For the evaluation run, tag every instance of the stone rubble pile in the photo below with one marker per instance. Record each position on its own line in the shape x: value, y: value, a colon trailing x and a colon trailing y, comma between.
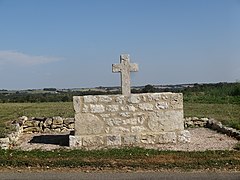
x: 190, y: 122
x: 194, y: 122
x: 218, y: 126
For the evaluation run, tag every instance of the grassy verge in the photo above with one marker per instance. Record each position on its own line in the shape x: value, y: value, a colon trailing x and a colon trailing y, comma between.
x: 133, y: 158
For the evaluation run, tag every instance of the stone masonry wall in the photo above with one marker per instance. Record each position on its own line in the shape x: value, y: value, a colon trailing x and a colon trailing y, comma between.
x: 36, y: 125
x: 138, y: 119
x: 47, y: 125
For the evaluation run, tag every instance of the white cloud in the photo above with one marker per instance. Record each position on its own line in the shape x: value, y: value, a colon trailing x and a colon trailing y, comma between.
x: 19, y: 58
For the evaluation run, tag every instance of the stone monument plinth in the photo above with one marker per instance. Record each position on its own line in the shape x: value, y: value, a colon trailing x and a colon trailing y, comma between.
x: 128, y: 119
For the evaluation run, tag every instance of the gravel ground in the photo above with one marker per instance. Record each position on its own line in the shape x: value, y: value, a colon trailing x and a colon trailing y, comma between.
x: 201, y: 139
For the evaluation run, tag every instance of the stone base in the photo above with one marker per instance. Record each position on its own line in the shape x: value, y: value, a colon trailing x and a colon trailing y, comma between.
x: 135, y: 120
x: 117, y: 140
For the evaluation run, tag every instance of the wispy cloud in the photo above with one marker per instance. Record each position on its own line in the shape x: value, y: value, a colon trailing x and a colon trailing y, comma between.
x: 19, y: 58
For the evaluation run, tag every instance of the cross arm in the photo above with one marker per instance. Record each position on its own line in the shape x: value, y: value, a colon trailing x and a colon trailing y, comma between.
x: 134, y: 67
x: 116, y: 68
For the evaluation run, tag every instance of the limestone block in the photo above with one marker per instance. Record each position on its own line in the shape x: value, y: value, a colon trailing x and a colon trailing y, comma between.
x: 113, y: 121
x: 54, y: 126
x: 88, y: 124
x: 13, y: 137
x: 184, y: 136
x: 167, y: 137
x: 120, y: 99
x: 57, y: 130
x: 90, y: 99
x: 4, y: 143
x: 105, y: 115
x: 130, y: 139
x: 71, y: 126
x: 134, y: 98
x: 148, y: 138
x: 68, y: 121
x: 105, y: 99
x: 131, y: 108
x: 204, y: 119
x: 57, y: 120
x: 146, y: 106
x: 32, y: 129
x: 107, y: 130
x: 75, y: 141
x: 165, y: 121
x: 166, y: 96
x: 47, y: 130
x: 154, y: 97
x: 177, y: 101
x: 138, y: 114
x: 131, y: 121
x: 48, y: 122
x: 77, y: 103
x: 85, y: 108
x: 41, y: 125
x: 31, y: 123
x: 97, y: 108
x: 123, y: 108
x: 64, y: 129
x: 138, y: 129
x: 161, y: 105
x: 112, y: 108
x: 23, y: 118
x: 17, y: 127
x: 116, y: 130
x: 141, y: 120
x: 113, y: 140
x: 91, y: 141
x: 125, y: 114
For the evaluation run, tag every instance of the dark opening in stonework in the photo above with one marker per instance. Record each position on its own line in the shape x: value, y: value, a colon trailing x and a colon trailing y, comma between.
x: 61, y: 140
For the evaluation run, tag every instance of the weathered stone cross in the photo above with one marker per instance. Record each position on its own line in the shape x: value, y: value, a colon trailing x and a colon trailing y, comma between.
x: 125, y: 67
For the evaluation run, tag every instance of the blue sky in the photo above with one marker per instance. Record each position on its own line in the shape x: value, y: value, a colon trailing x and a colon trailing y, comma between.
x: 72, y: 43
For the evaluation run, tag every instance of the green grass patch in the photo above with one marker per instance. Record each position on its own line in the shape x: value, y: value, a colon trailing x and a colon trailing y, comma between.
x: 237, y: 146
x: 11, y: 111
x: 228, y: 114
x: 122, y: 158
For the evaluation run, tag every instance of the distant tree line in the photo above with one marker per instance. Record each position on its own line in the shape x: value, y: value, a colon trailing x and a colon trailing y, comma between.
x: 45, y: 97
x: 200, y: 93
x: 213, y: 93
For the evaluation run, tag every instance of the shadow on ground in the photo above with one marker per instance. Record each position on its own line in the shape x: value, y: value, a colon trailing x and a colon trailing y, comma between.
x: 61, y: 140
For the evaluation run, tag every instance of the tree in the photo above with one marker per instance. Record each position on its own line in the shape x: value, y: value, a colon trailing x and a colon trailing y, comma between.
x: 149, y: 88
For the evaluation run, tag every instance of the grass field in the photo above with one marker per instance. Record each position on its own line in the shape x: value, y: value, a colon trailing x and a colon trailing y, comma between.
x: 229, y: 114
x: 11, y: 111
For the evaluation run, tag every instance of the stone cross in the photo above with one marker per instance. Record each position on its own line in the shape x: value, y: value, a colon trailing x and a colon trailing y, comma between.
x: 125, y: 67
